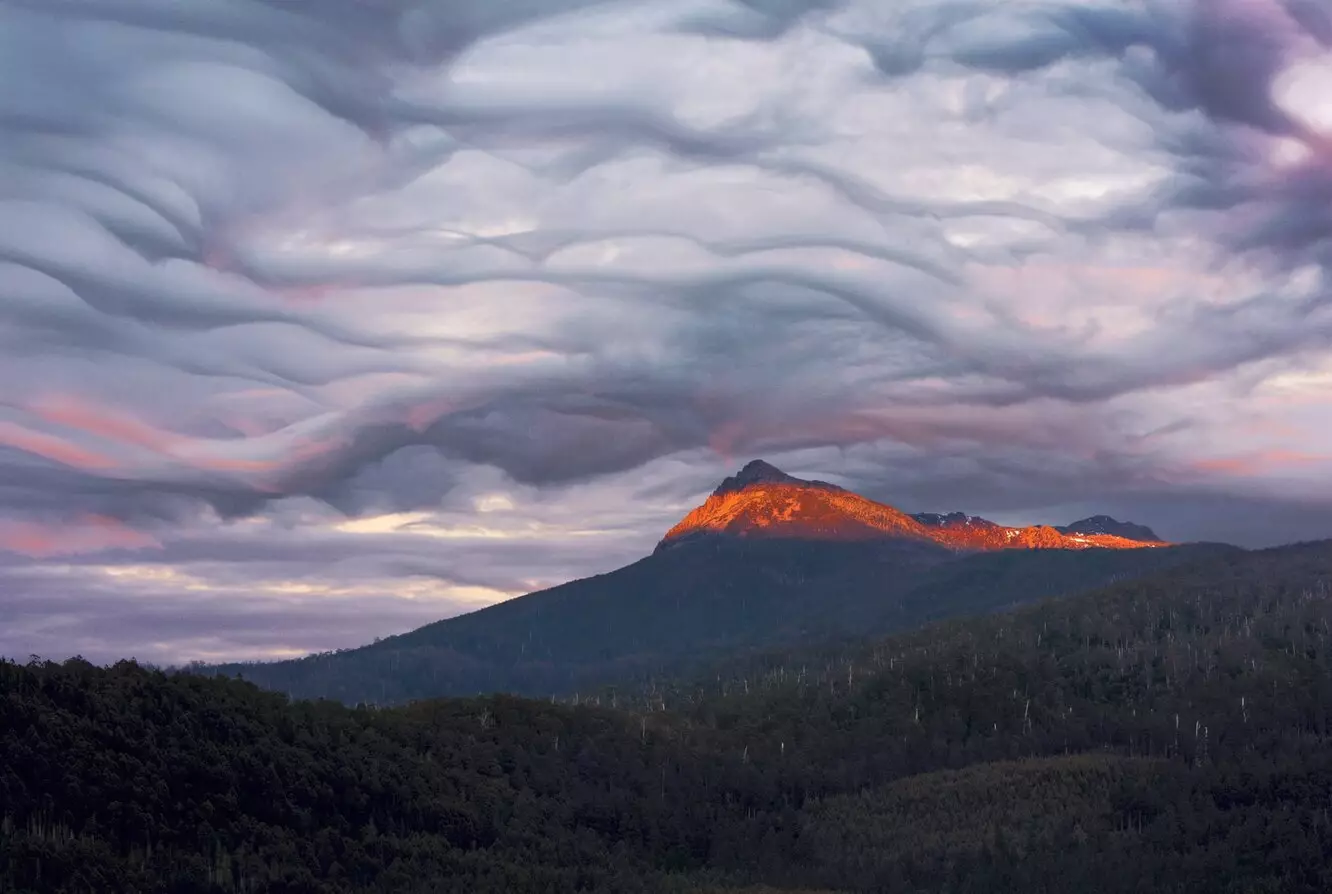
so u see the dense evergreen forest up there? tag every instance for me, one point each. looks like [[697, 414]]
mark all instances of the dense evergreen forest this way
[[1168, 734]]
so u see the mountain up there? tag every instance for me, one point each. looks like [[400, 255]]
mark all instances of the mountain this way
[[1166, 734], [758, 473], [952, 519], [761, 501], [1104, 524], [768, 560]]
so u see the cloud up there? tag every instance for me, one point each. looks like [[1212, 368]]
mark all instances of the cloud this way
[[304, 577], [1013, 257], [87, 534]]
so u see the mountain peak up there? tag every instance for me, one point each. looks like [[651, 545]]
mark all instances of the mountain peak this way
[[1104, 524], [762, 501], [757, 472]]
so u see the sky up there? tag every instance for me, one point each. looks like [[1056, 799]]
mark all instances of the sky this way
[[324, 319]]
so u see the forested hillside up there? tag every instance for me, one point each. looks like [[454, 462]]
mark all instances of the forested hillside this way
[[1167, 735], [693, 605]]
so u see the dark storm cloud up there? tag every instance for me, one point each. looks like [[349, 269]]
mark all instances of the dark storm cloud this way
[[971, 254]]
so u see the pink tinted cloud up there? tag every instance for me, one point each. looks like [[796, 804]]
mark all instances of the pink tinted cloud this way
[[85, 533], [302, 450], [53, 448], [77, 413], [423, 415], [1258, 462], [87, 418]]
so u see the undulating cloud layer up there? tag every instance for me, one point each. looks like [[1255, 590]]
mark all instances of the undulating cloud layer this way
[[321, 319]]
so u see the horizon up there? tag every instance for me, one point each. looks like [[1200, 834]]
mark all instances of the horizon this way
[[186, 663], [326, 323]]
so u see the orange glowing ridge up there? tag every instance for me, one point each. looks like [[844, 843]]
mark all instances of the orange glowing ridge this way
[[763, 502]]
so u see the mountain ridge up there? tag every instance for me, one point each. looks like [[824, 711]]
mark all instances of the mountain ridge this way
[[712, 597], [1104, 524], [763, 501]]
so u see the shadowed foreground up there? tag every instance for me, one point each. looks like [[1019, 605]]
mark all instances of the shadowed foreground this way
[[1167, 735]]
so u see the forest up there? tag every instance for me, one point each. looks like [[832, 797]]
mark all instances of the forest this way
[[1168, 734]]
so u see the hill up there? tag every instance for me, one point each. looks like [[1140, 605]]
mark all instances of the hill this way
[[769, 560], [1168, 734]]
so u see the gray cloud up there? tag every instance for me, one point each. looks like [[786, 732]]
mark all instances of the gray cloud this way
[[1003, 257]]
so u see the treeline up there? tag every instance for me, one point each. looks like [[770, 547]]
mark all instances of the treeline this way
[[1165, 735], [126, 779]]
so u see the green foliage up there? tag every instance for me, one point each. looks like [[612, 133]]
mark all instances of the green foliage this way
[[1169, 735]]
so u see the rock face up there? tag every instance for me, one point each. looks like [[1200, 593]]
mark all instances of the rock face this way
[[762, 501]]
